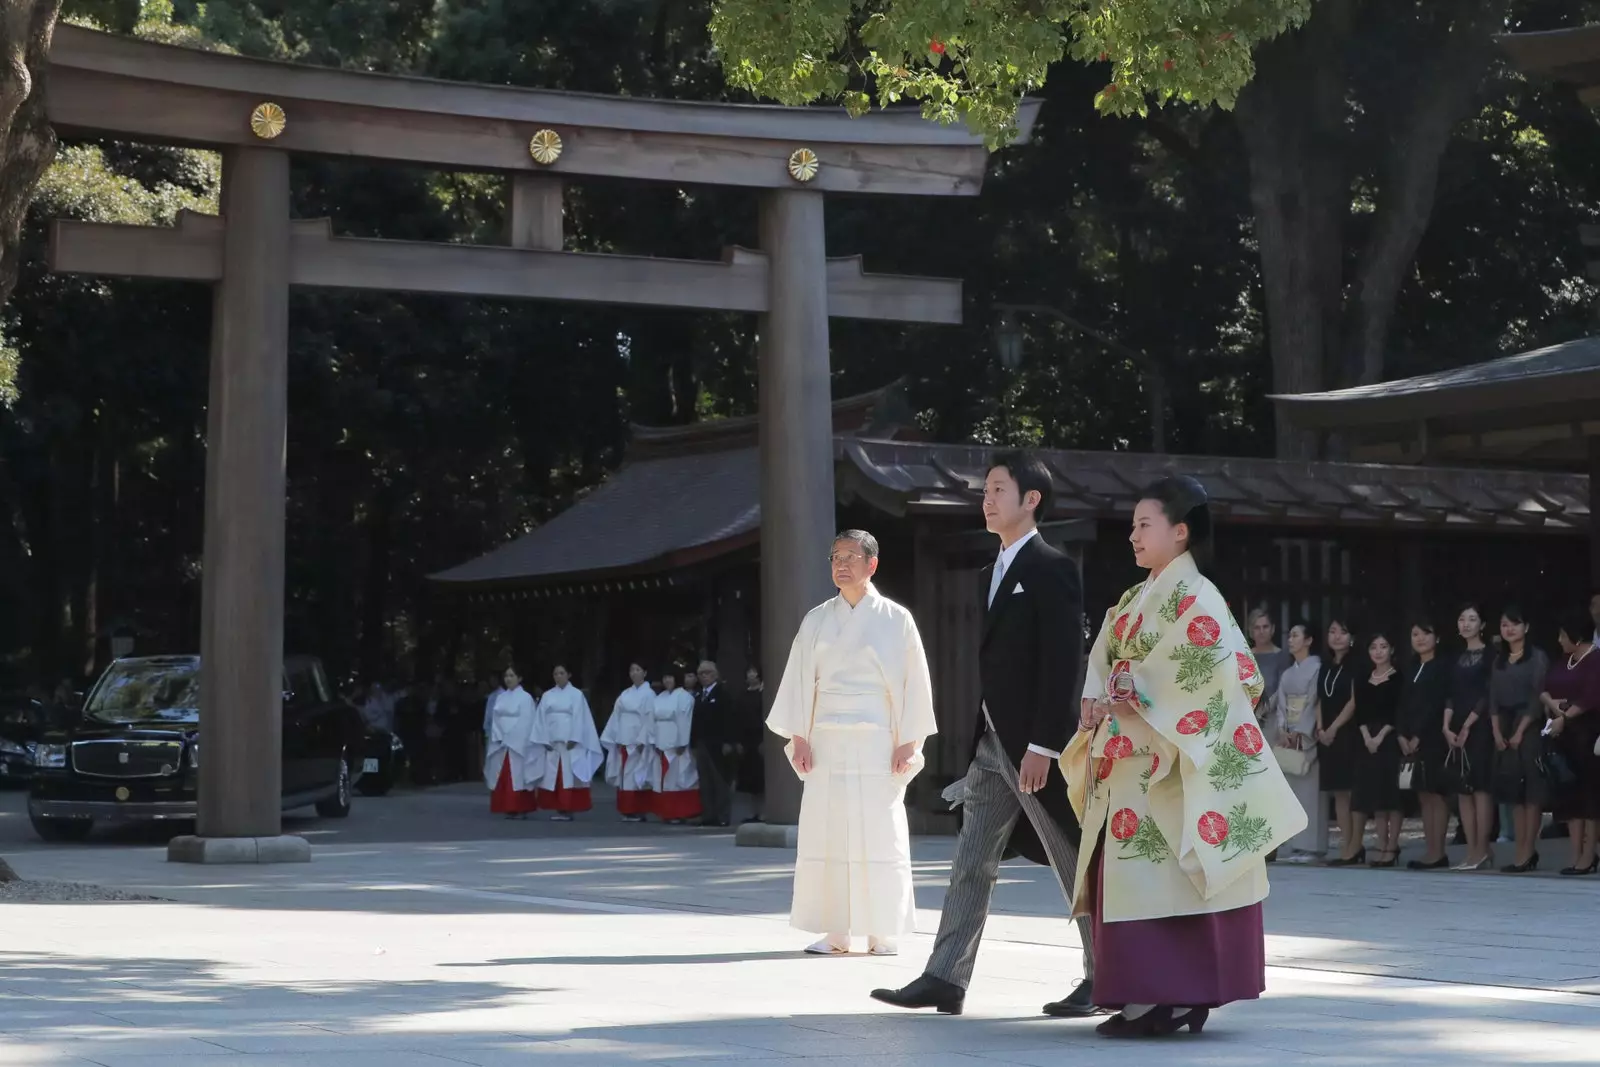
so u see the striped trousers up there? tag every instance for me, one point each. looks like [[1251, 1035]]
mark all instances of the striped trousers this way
[[993, 805]]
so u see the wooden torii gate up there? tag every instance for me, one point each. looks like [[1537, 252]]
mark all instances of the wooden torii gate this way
[[258, 113]]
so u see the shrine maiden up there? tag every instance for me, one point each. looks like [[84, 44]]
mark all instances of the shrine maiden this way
[[626, 735], [856, 704], [1178, 796], [513, 764], [675, 780], [564, 728]]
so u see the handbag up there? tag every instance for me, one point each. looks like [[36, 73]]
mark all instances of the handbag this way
[[1296, 762], [1456, 775], [1509, 779], [1410, 775], [1558, 773]]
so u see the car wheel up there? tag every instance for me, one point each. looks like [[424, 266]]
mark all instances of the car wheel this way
[[61, 829], [338, 805]]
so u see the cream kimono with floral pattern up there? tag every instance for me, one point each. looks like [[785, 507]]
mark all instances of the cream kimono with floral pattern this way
[[1191, 796]]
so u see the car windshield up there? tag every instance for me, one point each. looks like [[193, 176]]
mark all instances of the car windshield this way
[[147, 691]]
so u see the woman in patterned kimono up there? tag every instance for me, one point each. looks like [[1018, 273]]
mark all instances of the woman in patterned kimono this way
[[1178, 798], [1291, 724]]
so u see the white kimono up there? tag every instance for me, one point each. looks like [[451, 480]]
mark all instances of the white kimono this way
[[672, 766], [510, 732], [626, 736], [564, 728], [856, 687]]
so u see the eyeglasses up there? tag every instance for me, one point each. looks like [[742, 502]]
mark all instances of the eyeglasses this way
[[851, 558]]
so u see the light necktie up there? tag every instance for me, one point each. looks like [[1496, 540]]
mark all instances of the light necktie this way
[[994, 582]]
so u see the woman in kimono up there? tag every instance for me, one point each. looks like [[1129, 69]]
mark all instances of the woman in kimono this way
[[564, 727], [1292, 727], [512, 764], [626, 734], [1178, 798], [855, 705], [675, 780]]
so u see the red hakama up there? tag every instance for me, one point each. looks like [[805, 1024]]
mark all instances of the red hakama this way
[[629, 801], [564, 800], [677, 803], [508, 801]]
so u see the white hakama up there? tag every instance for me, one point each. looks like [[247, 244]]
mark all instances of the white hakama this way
[[675, 780], [626, 737], [564, 729], [512, 762], [856, 687]]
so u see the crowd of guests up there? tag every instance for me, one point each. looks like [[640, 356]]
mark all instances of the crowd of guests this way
[[1484, 722]]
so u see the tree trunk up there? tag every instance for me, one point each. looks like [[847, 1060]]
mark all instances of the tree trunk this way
[[1444, 92], [27, 143], [1291, 118]]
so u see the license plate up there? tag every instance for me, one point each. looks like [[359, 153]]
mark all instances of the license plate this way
[[369, 766]]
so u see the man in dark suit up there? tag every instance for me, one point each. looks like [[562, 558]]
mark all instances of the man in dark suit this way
[[716, 756], [1029, 659]]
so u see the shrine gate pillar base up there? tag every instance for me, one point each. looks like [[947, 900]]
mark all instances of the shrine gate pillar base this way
[[796, 438], [242, 591]]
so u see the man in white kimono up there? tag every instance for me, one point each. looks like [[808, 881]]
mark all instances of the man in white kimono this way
[[675, 776], [564, 727], [512, 764], [626, 734], [856, 704]]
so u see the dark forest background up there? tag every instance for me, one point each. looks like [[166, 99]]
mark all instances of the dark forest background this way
[[424, 432]]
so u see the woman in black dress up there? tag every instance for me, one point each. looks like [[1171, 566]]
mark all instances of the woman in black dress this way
[[1376, 782], [1422, 704], [1471, 739], [1337, 736], [1517, 718]]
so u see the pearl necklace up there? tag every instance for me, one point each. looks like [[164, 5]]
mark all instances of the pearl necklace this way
[[1572, 662], [1328, 688]]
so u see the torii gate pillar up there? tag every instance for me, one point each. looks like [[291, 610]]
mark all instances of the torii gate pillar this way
[[796, 437], [242, 589]]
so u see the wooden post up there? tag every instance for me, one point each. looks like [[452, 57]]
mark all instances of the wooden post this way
[[796, 440], [241, 638], [534, 214]]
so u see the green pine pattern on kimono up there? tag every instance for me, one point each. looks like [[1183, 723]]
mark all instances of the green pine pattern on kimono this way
[[1131, 638], [1138, 839]]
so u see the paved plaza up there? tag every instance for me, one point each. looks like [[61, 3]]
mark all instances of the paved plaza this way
[[469, 940]]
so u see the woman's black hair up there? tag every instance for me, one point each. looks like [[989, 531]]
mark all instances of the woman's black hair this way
[[1373, 636], [1512, 613], [1473, 605], [1183, 499], [1577, 624], [1305, 625], [1425, 624]]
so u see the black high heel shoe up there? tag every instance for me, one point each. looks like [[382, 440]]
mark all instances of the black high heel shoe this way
[[1159, 1021], [1354, 861], [1522, 868], [1394, 857], [1594, 865]]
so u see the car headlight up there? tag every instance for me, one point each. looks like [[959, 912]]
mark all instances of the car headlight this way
[[11, 748], [394, 743], [53, 757]]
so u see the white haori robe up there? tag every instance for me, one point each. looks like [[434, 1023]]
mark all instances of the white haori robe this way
[[856, 686], [672, 766], [510, 730], [626, 736], [564, 728]]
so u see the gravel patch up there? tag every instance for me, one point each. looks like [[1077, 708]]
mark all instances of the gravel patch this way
[[31, 892]]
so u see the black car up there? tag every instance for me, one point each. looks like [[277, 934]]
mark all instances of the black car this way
[[134, 753]]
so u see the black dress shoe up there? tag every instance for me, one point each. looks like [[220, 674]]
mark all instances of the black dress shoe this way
[[1078, 1004], [926, 992], [1423, 865]]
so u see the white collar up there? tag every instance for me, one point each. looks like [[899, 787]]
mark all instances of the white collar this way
[[871, 592], [1008, 556]]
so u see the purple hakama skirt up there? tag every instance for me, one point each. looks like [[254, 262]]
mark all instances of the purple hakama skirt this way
[[1188, 961]]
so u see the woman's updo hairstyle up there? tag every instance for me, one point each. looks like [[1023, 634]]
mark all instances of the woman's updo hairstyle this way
[[1183, 499]]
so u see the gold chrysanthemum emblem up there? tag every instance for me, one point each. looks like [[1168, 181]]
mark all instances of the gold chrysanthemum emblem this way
[[803, 164], [545, 148], [267, 121]]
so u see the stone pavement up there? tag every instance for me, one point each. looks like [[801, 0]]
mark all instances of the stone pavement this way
[[660, 947]]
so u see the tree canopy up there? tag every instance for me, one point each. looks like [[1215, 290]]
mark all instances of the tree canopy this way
[[973, 60]]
